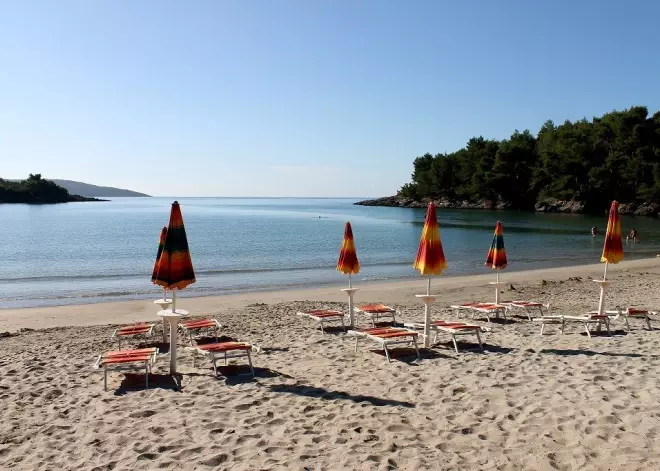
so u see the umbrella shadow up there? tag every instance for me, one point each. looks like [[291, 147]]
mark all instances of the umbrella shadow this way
[[205, 340], [574, 352], [332, 329], [133, 382], [329, 395]]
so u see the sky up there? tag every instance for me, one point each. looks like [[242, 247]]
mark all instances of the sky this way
[[300, 98]]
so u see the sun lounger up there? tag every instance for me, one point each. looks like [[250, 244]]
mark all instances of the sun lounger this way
[[630, 313], [125, 360], [530, 307], [490, 309], [387, 337], [587, 320], [224, 350], [196, 325], [377, 311], [132, 330], [323, 315], [454, 329]]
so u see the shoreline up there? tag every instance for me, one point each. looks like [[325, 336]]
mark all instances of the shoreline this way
[[452, 288]]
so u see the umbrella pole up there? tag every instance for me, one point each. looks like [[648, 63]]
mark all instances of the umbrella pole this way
[[428, 287], [349, 281], [173, 332], [601, 301], [497, 287]]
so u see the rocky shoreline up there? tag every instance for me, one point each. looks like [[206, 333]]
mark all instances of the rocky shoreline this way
[[545, 206]]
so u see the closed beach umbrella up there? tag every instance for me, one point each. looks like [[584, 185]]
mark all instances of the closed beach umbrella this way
[[430, 261], [496, 258], [430, 256], [175, 271], [348, 264], [612, 248], [161, 243]]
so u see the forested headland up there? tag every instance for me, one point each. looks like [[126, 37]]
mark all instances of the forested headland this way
[[576, 166], [36, 190]]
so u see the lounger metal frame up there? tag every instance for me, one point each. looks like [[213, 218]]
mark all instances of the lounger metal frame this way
[[118, 336], [375, 316], [321, 319], [227, 354], [214, 325], [410, 339], [151, 356], [458, 330]]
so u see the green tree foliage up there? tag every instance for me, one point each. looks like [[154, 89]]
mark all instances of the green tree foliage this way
[[616, 156], [33, 190]]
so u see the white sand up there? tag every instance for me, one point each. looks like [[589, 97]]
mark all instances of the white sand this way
[[529, 402]]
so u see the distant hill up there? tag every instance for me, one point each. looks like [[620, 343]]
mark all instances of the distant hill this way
[[36, 190], [90, 191]]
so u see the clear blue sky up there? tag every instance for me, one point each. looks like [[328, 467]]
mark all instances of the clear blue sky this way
[[300, 98]]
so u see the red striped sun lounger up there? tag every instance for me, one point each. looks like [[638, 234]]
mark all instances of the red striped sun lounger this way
[[377, 311], [388, 336], [323, 315], [197, 325], [455, 329], [530, 307], [490, 309], [127, 360], [131, 331], [225, 350]]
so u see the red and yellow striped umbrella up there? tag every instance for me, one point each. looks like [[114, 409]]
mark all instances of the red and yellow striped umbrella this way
[[348, 262], [430, 256], [161, 243], [496, 258], [175, 270], [613, 247]]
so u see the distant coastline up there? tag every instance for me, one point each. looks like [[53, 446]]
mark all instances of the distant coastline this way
[[37, 190], [94, 191], [549, 205]]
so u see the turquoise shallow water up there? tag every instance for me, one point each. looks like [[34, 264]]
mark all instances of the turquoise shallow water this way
[[86, 252]]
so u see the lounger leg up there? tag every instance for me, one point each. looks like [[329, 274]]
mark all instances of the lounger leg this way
[[586, 327], [343, 326], [542, 327], [417, 348], [225, 358], [250, 362], [105, 378], [216, 333], [373, 321], [356, 342], [453, 339], [563, 325], [322, 330], [215, 367], [479, 340], [625, 318], [194, 358], [607, 326], [146, 374], [648, 322], [387, 353], [394, 319]]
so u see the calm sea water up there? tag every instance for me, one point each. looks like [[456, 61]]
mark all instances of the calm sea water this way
[[86, 252]]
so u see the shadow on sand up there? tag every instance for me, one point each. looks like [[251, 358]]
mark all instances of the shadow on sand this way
[[135, 382], [572, 352], [321, 393]]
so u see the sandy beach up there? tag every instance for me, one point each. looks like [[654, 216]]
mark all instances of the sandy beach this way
[[547, 402]]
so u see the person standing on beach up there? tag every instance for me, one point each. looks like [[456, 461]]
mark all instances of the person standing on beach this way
[[594, 231]]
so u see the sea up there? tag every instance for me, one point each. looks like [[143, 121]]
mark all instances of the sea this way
[[101, 251]]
